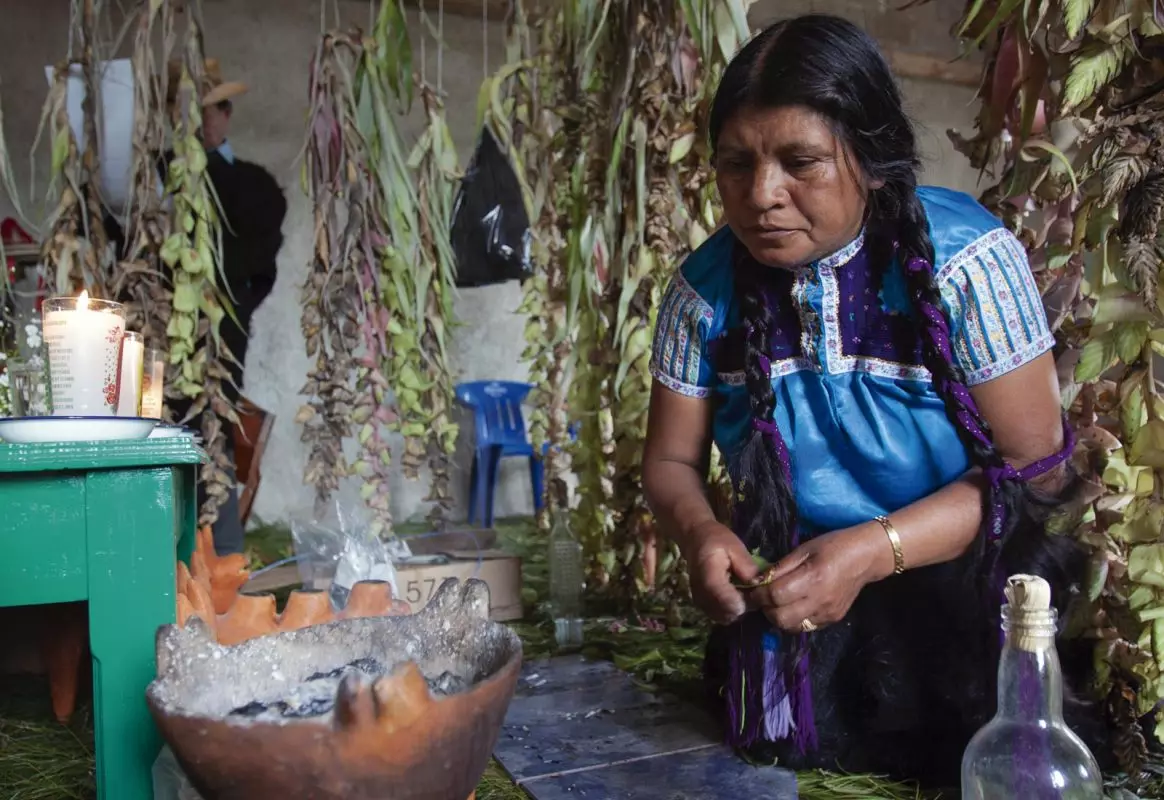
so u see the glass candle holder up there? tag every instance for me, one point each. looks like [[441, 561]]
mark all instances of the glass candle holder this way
[[83, 339], [153, 383], [129, 391], [27, 389]]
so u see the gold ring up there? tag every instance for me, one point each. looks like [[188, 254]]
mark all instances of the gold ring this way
[[808, 626]]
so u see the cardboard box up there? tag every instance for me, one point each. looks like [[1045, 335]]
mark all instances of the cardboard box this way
[[501, 572], [417, 581]]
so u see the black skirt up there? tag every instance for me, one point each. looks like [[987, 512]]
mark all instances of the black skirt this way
[[905, 680]]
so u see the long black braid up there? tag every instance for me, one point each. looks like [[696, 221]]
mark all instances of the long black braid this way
[[770, 522]]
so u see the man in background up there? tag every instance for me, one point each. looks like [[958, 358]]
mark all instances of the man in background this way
[[253, 208]]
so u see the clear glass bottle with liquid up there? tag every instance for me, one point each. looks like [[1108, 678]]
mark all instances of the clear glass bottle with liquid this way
[[566, 572], [1027, 751]]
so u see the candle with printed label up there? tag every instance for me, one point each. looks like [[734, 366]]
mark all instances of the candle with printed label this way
[[83, 339]]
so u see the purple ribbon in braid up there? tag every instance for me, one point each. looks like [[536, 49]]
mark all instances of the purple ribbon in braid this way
[[783, 701], [937, 330], [769, 429]]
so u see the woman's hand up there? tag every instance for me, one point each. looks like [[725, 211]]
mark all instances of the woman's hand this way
[[714, 556], [820, 579]]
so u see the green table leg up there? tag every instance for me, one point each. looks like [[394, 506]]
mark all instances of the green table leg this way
[[131, 535], [186, 500]]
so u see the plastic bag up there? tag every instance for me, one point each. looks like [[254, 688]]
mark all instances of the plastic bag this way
[[341, 548], [490, 233]]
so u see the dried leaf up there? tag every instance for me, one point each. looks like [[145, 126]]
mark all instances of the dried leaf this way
[[1142, 262]]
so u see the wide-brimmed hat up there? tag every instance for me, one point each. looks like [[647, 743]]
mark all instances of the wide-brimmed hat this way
[[214, 89]]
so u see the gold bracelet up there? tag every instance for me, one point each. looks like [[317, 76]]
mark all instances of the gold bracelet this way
[[895, 542]]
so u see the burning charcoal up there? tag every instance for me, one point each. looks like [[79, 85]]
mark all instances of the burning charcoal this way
[[254, 709], [315, 707], [447, 683], [368, 666]]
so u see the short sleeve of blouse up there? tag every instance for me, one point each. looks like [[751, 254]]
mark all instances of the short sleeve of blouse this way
[[679, 352], [997, 322]]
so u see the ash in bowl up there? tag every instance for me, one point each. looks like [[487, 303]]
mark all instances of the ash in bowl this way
[[316, 696]]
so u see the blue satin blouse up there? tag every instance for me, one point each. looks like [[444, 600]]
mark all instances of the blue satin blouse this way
[[865, 430]]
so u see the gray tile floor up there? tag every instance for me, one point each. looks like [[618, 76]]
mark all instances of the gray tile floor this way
[[582, 729]]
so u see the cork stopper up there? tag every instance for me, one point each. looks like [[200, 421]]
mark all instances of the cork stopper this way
[[1031, 621], [1028, 593]]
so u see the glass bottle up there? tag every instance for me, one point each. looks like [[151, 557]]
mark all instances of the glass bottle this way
[[1027, 750], [566, 574]]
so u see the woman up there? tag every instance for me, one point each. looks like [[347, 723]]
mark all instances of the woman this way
[[873, 359]]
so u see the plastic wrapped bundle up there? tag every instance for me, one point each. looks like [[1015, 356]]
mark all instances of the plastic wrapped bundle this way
[[490, 234]]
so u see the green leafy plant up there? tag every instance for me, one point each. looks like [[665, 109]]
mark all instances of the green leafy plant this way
[[617, 180], [418, 281], [379, 298], [140, 276], [192, 252], [1071, 128]]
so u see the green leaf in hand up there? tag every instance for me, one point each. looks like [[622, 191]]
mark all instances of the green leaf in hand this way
[[764, 579]]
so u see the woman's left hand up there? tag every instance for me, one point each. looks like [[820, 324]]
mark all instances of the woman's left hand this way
[[820, 579]]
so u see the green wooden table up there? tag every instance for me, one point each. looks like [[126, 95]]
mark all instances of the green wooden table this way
[[101, 522]]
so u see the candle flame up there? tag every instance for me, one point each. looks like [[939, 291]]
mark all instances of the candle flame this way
[[83, 300]]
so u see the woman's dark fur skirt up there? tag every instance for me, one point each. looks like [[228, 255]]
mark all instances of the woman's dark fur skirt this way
[[903, 682]]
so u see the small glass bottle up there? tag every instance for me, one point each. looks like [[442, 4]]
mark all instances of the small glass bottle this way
[[1027, 751], [566, 573]]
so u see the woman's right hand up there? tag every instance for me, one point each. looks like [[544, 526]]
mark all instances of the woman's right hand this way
[[714, 556]]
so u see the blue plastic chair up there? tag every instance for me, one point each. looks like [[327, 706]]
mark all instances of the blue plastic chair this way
[[500, 429]]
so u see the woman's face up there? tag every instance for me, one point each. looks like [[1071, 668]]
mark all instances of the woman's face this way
[[791, 192]]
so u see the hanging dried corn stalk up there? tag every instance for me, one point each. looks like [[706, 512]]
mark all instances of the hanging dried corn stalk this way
[[192, 253], [396, 250], [434, 161], [623, 147], [415, 283], [518, 104], [1072, 126], [139, 278], [74, 248], [339, 291]]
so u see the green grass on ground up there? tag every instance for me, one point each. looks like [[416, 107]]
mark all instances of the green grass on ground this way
[[43, 760]]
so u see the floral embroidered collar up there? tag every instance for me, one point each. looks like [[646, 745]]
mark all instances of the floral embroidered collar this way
[[842, 256]]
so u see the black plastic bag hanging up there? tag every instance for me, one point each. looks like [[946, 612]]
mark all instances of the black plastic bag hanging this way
[[490, 233]]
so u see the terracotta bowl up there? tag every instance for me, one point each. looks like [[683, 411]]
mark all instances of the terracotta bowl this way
[[407, 707]]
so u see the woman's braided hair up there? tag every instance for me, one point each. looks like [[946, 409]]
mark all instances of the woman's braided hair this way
[[833, 67]]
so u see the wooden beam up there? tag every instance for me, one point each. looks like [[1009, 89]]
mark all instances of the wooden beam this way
[[904, 64], [929, 68], [498, 9]]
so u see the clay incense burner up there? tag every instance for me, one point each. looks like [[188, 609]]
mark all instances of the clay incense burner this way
[[406, 707]]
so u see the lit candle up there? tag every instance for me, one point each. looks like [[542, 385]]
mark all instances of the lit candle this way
[[153, 383], [83, 339], [132, 355]]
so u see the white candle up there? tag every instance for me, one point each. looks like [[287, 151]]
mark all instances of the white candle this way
[[83, 338], [132, 356], [153, 383]]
